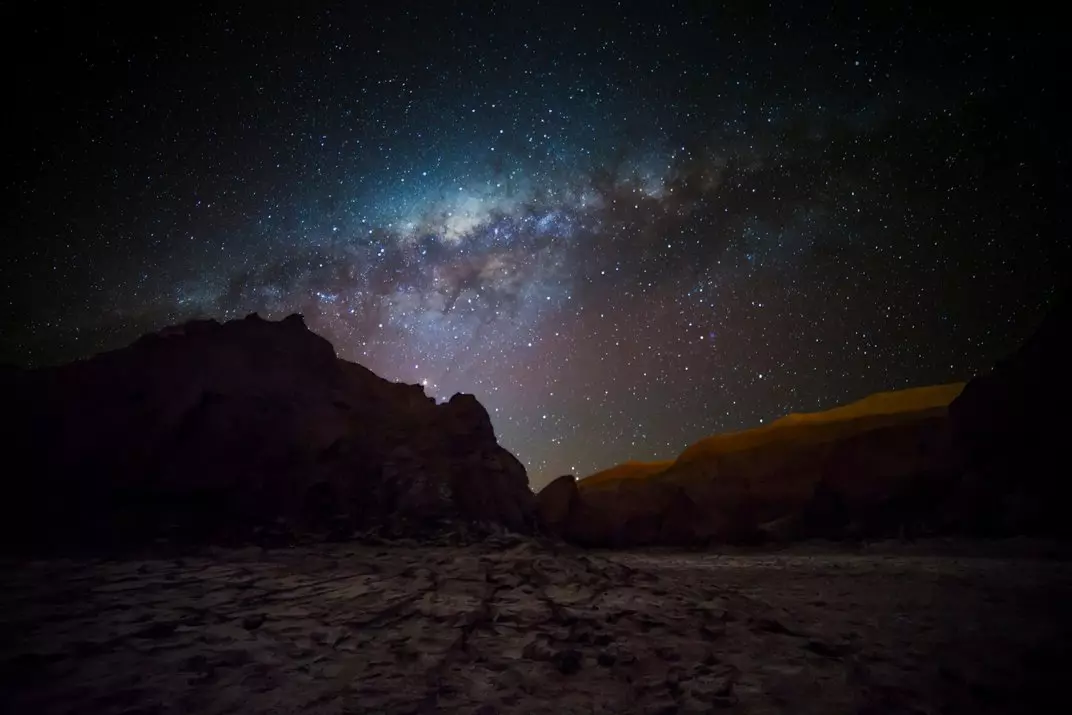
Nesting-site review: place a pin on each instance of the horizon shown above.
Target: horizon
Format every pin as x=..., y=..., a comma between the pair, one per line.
x=536, y=485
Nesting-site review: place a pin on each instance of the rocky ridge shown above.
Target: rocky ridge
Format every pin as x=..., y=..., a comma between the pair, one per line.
x=245, y=429
x=849, y=470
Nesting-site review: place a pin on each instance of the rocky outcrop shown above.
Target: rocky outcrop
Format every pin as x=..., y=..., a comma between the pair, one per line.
x=855, y=470
x=251, y=427
x=1010, y=427
x=554, y=502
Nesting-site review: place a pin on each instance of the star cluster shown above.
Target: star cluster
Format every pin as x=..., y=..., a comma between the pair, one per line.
x=622, y=230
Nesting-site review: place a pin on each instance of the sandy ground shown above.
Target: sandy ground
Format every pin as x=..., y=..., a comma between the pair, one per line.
x=514, y=628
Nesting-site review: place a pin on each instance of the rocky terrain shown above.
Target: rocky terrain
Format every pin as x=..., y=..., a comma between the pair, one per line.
x=511, y=626
x=240, y=431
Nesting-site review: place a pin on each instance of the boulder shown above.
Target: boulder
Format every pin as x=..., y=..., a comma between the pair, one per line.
x=220, y=431
x=554, y=502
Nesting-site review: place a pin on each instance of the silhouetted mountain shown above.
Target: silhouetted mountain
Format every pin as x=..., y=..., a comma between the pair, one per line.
x=246, y=429
x=775, y=479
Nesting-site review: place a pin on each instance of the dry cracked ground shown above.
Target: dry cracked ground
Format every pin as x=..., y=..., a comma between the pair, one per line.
x=516, y=627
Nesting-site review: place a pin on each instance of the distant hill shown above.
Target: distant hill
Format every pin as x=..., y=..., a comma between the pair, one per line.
x=882, y=408
x=837, y=471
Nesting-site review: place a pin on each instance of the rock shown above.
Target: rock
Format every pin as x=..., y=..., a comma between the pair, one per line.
x=797, y=477
x=1008, y=427
x=249, y=429
x=555, y=501
x=157, y=629
x=568, y=661
x=772, y=625
x=253, y=622
x=710, y=634
x=538, y=649
x=828, y=650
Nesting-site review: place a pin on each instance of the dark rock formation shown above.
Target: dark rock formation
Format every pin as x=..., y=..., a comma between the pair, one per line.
x=555, y=501
x=1010, y=426
x=852, y=471
x=226, y=431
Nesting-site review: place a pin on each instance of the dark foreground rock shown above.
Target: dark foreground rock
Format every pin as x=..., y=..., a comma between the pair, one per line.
x=518, y=629
x=555, y=501
x=249, y=429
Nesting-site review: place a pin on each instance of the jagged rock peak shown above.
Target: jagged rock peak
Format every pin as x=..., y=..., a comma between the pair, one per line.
x=219, y=430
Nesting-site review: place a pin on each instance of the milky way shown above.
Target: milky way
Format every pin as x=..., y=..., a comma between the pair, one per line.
x=621, y=231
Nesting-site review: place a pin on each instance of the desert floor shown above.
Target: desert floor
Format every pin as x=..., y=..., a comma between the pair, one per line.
x=514, y=627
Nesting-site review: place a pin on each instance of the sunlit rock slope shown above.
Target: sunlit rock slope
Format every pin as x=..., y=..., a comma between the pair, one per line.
x=871, y=466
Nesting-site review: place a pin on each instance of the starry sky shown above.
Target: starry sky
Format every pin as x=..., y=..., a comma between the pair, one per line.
x=623, y=226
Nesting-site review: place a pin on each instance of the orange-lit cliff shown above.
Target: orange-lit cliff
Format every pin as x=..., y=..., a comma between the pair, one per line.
x=850, y=469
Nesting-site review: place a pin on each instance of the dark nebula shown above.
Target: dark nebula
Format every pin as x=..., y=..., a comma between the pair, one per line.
x=622, y=229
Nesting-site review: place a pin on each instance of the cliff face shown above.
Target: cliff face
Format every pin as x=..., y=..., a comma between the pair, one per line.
x=1010, y=426
x=858, y=469
x=226, y=431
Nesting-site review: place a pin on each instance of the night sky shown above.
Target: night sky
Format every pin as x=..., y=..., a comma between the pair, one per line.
x=623, y=229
